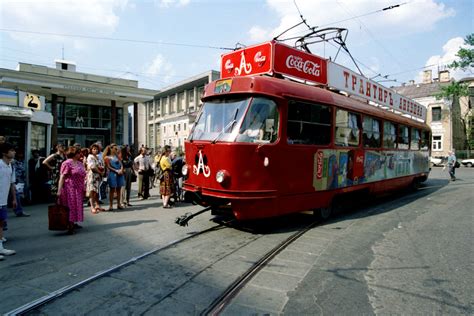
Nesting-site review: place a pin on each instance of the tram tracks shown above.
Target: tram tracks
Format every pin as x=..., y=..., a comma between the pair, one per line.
x=227, y=296
x=235, y=240
x=42, y=301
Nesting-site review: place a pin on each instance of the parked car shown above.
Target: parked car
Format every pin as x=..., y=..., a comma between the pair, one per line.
x=468, y=162
x=436, y=162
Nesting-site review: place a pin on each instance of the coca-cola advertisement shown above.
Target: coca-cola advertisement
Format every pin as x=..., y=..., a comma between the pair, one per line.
x=251, y=60
x=298, y=64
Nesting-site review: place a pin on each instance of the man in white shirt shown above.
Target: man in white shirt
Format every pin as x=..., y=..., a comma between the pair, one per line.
x=7, y=184
x=142, y=164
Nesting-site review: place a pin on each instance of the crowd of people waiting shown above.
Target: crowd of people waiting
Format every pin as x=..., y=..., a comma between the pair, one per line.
x=69, y=176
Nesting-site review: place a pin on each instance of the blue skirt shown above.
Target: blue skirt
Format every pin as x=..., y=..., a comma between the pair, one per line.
x=115, y=181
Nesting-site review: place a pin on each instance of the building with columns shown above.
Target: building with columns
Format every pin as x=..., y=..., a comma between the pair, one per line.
x=171, y=113
x=72, y=107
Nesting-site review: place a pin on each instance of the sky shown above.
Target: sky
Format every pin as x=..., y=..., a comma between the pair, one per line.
x=162, y=42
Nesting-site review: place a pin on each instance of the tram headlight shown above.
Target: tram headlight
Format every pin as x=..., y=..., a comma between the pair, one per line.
x=266, y=162
x=222, y=176
x=184, y=170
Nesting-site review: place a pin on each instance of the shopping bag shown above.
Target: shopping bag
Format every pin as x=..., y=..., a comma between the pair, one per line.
x=58, y=217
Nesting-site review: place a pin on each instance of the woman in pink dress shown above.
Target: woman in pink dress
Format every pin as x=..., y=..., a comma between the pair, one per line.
x=71, y=190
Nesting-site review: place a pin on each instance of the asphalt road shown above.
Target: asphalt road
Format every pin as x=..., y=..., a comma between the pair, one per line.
x=410, y=255
x=401, y=254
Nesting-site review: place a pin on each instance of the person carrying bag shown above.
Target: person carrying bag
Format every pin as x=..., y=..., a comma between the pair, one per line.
x=166, y=184
x=58, y=217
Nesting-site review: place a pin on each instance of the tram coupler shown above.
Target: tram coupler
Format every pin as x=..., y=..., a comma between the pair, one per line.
x=184, y=219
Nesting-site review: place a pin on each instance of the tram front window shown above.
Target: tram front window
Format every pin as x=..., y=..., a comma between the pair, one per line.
x=223, y=120
x=219, y=119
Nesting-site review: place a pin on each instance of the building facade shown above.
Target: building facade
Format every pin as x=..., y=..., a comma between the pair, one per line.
x=171, y=113
x=445, y=117
x=24, y=120
x=74, y=107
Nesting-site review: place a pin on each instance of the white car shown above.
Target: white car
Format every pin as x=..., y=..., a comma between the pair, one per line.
x=436, y=161
x=468, y=162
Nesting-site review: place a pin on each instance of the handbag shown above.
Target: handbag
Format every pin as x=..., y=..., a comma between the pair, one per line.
x=58, y=217
x=133, y=177
x=160, y=174
x=150, y=172
x=457, y=164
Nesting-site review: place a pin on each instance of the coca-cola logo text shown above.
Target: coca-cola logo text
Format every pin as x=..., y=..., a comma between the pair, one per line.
x=307, y=67
x=319, y=165
x=259, y=58
x=229, y=65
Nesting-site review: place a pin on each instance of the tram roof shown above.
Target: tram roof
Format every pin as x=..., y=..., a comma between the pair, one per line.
x=284, y=88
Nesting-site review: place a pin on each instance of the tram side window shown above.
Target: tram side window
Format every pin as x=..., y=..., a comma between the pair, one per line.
x=371, y=132
x=403, y=140
x=347, y=128
x=308, y=123
x=415, y=139
x=389, y=135
x=425, y=140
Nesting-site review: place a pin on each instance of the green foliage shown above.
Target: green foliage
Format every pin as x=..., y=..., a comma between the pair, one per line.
x=453, y=90
x=466, y=55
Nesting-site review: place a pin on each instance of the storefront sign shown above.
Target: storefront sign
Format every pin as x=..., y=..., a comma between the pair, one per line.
x=8, y=97
x=346, y=80
x=88, y=89
x=31, y=101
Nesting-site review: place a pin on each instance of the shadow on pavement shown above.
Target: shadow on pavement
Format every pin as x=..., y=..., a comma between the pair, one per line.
x=350, y=208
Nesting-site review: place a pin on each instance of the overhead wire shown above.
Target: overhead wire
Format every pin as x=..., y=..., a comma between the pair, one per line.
x=47, y=60
x=139, y=74
x=115, y=39
x=365, y=14
x=367, y=30
x=362, y=25
x=348, y=19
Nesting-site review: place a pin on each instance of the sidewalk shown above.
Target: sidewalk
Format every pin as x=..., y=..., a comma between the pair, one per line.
x=47, y=261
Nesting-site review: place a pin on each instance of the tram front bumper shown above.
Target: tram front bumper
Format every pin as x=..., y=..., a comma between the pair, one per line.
x=230, y=194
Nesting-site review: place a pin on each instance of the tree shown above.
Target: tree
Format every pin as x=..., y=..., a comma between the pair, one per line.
x=466, y=55
x=455, y=90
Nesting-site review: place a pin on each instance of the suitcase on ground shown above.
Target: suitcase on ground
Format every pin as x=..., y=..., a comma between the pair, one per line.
x=58, y=216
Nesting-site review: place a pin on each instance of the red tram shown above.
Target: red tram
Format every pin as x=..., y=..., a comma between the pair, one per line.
x=286, y=131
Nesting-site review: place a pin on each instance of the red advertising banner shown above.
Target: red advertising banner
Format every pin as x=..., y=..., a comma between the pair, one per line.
x=252, y=60
x=298, y=64
x=273, y=57
x=276, y=58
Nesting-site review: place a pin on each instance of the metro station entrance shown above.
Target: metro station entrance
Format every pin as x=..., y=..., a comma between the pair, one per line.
x=84, y=140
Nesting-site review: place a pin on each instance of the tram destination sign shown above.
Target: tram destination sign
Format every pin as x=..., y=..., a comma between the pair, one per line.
x=348, y=81
x=274, y=58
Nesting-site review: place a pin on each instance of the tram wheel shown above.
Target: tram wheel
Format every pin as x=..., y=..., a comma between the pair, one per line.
x=323, y=213
x=338, y=205
x=416, y=184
